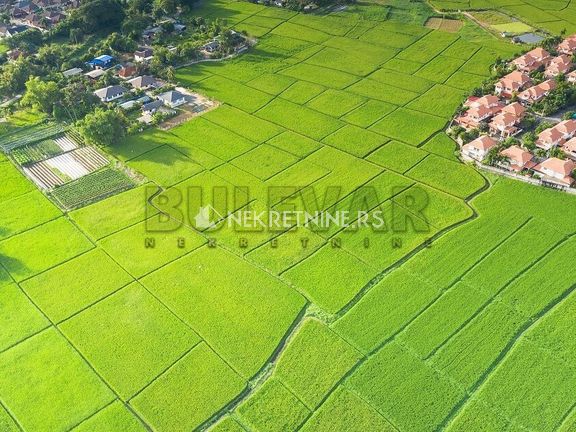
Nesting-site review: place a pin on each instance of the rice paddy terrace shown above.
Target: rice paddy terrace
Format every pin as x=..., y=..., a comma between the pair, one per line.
x=466, y=325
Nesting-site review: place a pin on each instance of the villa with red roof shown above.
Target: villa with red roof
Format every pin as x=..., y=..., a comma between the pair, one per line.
x=518, y=158
x=538, y=92
x=505, y=124
x=532, y=60
x=559, y=65
x=568, y=46
x=569, y=148
x=557, y=135
x=480, y=110
x=558, y=170
x=479, y=148
x=512, y=83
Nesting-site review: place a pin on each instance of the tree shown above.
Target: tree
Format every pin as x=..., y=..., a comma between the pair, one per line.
x=135, y=24
x=13, y=77
x=103, y=127
x=97, y=15
x=41, y=95
x=164, y=7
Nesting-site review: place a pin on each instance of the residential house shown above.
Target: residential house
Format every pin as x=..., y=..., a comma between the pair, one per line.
x=211, y=46
x=560, y=65
x=505, y=124
x=101, y=62
x=512, y=83
x=54, y=17
x=474, y=116
x=71, y=72
x=95, y=74
x=517, y=158
x=568, y=46
x=110, y=93
x=152, y=107
x=558, y=170
x=14, y=30
x=557, y=135
x=537, y=93
x=569, y=148
x=532, y=60
x=127, y=71
x=479, y=148
x=172, y=98
x=143, y=82
x=571, y=77
x=143, y=55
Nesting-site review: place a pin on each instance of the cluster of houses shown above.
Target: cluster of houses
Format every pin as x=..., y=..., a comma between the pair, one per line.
x=40, y=14
x=504, y=117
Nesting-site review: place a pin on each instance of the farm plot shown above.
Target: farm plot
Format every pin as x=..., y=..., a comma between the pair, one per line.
x=26, y=136
x=242, y=314
x=90, y=188
x=83, y=281
x=130, y=338
x=411, y=127
x=38, y=211
x=66, y=167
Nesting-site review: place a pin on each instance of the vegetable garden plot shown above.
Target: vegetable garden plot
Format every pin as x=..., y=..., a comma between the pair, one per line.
x=242, y=313
x=25, y=136
x=46, y=368
x=345, y=411
x=90, y=188
x=36, y=152
x=190, y=392
x=314, y=343
x=272, y=407
x=82, y=281
x=130, y=338
x=18, y=316
x=60, y=169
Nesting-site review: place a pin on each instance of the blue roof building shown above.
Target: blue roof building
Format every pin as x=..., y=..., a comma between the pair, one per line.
x=101, y=62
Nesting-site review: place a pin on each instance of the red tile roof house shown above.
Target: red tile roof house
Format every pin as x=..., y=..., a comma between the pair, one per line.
x=559, y=65
x=481, y=109
x=479, y=148
x=532, y=60
x=518, y=159
x=538, y=92
x=515, y=108
x=558, y=170
x=557, y=135
x=511, y=83
x=474, y=116
x=568, y=46
x=505, y=124
x=550, y=138
x=569, y=148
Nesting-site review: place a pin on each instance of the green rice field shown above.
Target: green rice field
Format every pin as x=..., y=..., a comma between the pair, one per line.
x=456, y=314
